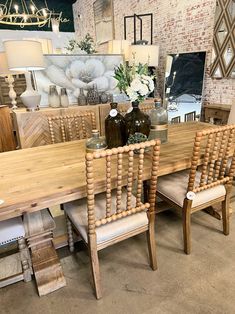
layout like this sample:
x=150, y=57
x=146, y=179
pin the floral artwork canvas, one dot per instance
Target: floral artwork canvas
x=77, y=71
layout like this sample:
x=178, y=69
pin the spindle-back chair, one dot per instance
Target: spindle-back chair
x=176, y=120
x=14, y=267
x=203, y=185
x=190, y=116
x=71, y=127
x=116, y=214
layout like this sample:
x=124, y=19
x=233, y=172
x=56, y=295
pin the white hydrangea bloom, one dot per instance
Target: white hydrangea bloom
x=144, y=90
x=136, y=84
x=132, y=94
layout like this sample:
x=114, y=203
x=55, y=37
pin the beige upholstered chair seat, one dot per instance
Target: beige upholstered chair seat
x=17, y=266
x=11, y=230
x=77, y=212
x=174, y=187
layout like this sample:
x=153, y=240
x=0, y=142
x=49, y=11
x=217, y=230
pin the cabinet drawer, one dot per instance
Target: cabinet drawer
x=215, y=113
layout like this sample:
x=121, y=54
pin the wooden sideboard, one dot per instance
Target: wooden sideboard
x=32, y=128
x=217, y=113
x=7, y=140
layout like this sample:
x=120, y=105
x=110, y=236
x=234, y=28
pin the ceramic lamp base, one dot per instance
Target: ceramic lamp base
x=30, y=98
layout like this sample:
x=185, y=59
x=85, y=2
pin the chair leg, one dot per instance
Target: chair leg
x=25, y=257
x=225, y=215
x=95, y=266
x=70, y=235
x=152, y=243
x=187, y=226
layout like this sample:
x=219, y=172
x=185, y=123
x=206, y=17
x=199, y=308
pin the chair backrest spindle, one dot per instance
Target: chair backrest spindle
x=71, y=127
x=212, y=149
x=139, y=177
x=108, y=186
x=70, y=134
x=130, y=178
x=119, y=182
x=62, y=129
x=128, y=167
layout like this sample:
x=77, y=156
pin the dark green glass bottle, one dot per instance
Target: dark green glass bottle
x=115, y=128
x=137, y=121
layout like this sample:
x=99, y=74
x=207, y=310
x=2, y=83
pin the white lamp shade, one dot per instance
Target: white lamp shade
x=119, y=47
x=169, y=60
x=144, y=54
x=45, y=42
x=231, y=118
x=24, y=55
x=4, y=69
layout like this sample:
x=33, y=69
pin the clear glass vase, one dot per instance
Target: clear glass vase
x=64, y=100
x=96, y=142
x=82, y=101
x=53, y=97
x=159, y=123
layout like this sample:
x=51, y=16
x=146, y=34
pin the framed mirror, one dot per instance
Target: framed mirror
x=184, y=77
x=223, y=51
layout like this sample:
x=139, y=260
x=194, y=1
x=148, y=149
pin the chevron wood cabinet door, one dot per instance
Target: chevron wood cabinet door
x=33, y=129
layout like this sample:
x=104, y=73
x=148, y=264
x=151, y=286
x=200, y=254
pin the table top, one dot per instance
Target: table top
x=35, y=178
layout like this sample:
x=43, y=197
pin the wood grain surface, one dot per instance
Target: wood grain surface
x=7, y=141
x=40, y=177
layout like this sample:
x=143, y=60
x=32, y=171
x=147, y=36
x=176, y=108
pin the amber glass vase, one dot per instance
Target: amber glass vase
x=115, y=128
x=137, y=121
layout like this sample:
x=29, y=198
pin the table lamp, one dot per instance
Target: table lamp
x=119, y=47
x=26, y=55
x=5, y=72
x=144, y=54
x=169, y=60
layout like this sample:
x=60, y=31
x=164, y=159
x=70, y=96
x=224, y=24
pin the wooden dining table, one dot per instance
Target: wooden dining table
x=36, y=178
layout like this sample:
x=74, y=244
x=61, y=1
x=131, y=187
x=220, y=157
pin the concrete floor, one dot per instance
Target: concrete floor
x=203, y=282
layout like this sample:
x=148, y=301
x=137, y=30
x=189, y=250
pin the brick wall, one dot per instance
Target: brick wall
x=179, y=26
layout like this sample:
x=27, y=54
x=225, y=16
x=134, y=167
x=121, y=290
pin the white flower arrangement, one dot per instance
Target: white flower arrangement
x=140, y=88
x=134, y=81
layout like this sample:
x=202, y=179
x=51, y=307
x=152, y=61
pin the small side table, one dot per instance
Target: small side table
x=217, y=113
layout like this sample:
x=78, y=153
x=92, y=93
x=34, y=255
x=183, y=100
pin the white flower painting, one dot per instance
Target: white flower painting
x=74, y=72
